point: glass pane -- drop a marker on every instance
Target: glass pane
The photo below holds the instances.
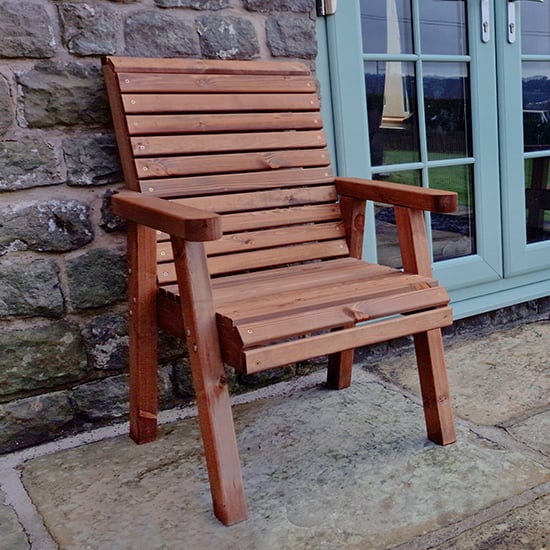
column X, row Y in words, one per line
column 386, row 26
column 453, row 235
column 537, row 199
column 536, row 105
column 443, row 27
column 391, row 107
column 447, row 110
column 535, row 28
column 386, row 231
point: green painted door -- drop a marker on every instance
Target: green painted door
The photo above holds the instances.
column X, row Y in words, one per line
column 452, row 94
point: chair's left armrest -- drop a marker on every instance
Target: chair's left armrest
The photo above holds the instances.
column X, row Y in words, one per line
column 398, row 194
column 178, row 220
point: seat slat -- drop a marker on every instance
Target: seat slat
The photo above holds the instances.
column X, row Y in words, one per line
column 234, row 183
column 215, row 143
column 217, row 103
column 254, row 240
column 320, row 295
column 226, row 122
column 230, row 288
column 263, row 358
column 286, row 326
column 232, row 162
column 213, row 83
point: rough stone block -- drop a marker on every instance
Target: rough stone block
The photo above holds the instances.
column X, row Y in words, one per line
column 26, row 30
column 89, row 29
column 265, row 6
column 30, row 287
column 291, row 35
column 66, row 94
column 106, row 338
column 227, row 37
column 150, row 33
column 97, row 278
column 49, row 226
column 28, row 162
column 43, row 357
column 33, row 420
column 107, row 399
column 7, row 111
column 110, row 222
column 101, row 400
column 92, row 160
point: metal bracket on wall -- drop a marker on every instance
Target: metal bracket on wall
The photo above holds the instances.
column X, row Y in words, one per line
column 326, row 7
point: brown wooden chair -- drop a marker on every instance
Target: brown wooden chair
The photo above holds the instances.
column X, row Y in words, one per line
column 242, row 241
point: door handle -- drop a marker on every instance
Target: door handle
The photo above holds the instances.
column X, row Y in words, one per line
column 485, row 25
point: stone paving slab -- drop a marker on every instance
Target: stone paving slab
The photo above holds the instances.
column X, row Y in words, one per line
column 534, row 431
column 12, row 535
column 493, row 379
column 323, row 470
column 526, row 528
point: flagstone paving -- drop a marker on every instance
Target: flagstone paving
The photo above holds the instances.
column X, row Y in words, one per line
column 328, row 470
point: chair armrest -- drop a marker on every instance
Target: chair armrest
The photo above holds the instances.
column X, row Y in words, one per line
column 398, row 194
column 178, row 220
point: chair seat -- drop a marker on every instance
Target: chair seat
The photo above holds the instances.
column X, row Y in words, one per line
column 273, row 306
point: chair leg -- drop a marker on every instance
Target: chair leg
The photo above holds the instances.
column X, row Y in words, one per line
column 220, row 444
column 339, row 370
column 435, row 387
column 143, row 388
column 142, row 291
column 210, row 383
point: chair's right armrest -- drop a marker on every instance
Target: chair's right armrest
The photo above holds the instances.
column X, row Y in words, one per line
column 178, row 220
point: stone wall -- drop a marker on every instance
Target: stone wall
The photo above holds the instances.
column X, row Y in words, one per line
column 63, row 336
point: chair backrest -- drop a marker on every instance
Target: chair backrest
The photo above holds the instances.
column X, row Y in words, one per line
column 244, row 140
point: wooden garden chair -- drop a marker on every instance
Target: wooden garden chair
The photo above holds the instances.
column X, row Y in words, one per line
column 242, row 241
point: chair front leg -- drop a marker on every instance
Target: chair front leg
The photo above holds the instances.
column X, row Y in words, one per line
column 210, row 383
column 435, row 387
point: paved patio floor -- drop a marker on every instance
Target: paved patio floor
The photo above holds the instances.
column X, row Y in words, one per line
column 348, row 469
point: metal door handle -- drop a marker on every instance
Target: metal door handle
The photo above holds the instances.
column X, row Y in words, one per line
column 485, row 25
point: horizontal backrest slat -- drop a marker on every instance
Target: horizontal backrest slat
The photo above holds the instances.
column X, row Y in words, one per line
column 233, row 183
column 257, row 259
column 199, row 164
column 250, row 141
column 224, row 122
column 189, row 103
column 256, row 240
column 213, row 83
column 259, row 200
column 122, row 64
column 280, row 217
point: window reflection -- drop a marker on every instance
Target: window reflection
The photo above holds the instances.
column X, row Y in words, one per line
column 537, row 199
column 447, row 110
column 453, row 235
column 535, row 28
column 443, row 27
column 536, row 105
column 384, row 18
column 391, row 108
